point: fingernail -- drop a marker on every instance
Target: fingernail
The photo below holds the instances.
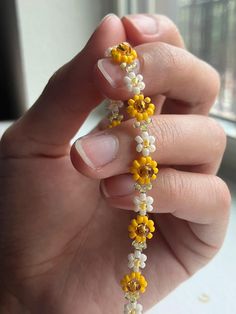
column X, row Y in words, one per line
column 97, row 150
column 112, row 72
column 122, row 186
column 107, row 17
column 143, row 23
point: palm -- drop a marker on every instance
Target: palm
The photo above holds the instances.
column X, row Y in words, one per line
column 78, row 247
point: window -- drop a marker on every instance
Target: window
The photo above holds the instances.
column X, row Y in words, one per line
column 208, row 27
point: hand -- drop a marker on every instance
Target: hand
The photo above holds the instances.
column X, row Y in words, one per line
column 63, row 234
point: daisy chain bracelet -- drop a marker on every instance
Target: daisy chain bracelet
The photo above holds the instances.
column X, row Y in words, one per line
column 144, row 170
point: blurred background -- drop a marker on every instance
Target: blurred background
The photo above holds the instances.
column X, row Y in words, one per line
column 37, row 37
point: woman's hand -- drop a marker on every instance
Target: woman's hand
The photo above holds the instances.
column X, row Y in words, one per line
column 63, row 235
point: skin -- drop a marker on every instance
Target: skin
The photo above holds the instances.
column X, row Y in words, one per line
column 63, row 225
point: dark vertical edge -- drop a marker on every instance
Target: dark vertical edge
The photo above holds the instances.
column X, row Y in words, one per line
column 11, row 72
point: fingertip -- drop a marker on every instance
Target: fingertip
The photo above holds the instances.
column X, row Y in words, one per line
column 144, row 28
column 94, row 154
column 103, row 36
column 80, row 161
column 118, row 191
column 141, row 28
column 118, row 186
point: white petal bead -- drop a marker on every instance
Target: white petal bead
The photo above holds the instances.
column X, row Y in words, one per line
column 132, row 75
column 150, row 200
column 141, row 85
column 152, row 148
column 130, row 87
column 144, row 258
column 152, row 139
column 137, row 254
column 138, row 139
column 127, row 80
column 108, row 52
column 139, row 77
column 126, row 309
column 146, row 152
column 143, row 196
column 136, row 200
column 142, row 265
column 123, row 65
column 130, row 256
column 145, row 135
column 139, row 148
column 139, row 307
column 136, row 90
column 137, row 124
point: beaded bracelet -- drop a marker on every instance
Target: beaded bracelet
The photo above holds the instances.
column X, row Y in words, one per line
column 144, row 170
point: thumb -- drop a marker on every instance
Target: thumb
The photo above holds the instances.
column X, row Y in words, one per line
column 66, row 101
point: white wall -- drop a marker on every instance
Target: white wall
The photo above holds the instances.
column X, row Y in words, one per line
column 52, row 32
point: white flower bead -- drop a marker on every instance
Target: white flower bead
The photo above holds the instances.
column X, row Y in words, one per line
column 143, row 204
column 134, row 82
column 131, row 67
column 108, row 52
column 123, row 65
column 115, row 105
column 136, row 260
column 133, row 308
column 145, row 143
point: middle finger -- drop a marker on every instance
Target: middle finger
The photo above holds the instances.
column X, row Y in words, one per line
column 180, row 140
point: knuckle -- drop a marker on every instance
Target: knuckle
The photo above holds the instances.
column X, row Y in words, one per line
column 166, row 132
column 173, row 60
column 218, row 144
column 6, row 142
column 172, row 32
column 56, row 76
column 221, row 194
column 169, row 56
column 159, row 51
column 168, row 21
column 215, row 80
column 174, row 184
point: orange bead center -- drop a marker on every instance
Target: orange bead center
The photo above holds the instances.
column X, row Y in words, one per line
column 133, row 285
column 142, row 230
column 124, row 49
column 146, row 171
column 140, row 105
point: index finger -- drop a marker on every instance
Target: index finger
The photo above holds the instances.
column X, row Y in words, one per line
column 167, row 70
column 66, row 101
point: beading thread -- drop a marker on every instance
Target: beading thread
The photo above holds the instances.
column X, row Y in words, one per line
column 143, row 169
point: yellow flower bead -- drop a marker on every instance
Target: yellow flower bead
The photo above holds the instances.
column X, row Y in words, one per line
column 123, row 53
column 114, row 123
column 144, row 170
column 140, row 107
column 134, row 282
column 141, row 228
